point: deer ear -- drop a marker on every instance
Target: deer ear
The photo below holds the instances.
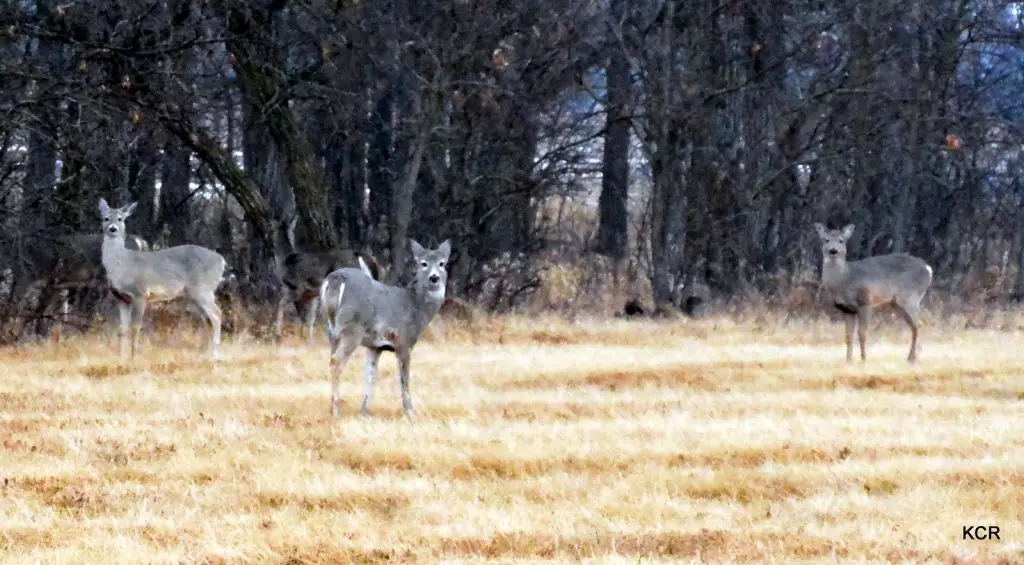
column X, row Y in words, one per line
column 104, row 207
column 445, row 249
column 131, row 208
column 848, row 231
column 417, row 249
column 820, row 228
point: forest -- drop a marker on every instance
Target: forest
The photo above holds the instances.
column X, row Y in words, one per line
column 574, row 152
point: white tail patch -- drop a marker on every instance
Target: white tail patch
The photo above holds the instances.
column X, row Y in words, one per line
column 362, row 265
column 324, row 305
column 328, row 314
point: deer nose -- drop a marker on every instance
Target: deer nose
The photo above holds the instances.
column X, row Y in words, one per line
column 833, row 251
column 434, row 278
column 112, row 229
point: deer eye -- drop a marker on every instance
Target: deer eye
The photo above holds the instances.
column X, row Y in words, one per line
column 423, row 264
column 106, row 218
column 440, row 263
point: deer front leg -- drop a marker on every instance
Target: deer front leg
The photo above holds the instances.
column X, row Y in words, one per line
column 403, row 355
column 851, row 325
column 124, row 310
column 138, row 310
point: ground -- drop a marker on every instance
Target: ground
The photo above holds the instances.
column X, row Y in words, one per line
column 720, row 440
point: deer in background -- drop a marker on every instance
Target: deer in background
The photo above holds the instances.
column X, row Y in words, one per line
column 66, row 265
column 139, row 277
column 856, row 287
column 359, row 310
column 300, row 274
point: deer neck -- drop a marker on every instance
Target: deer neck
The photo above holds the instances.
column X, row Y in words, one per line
column 112, row 255
column 426, row 304
column 834, row 271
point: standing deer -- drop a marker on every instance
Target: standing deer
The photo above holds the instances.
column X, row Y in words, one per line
column 138, row 277
column 300, row 274
column 856, row 287
column 359, row 310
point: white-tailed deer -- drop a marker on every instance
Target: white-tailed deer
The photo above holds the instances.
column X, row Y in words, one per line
column 359, row 310
column 300, row 274
column 856, row 287
column 139, row 277
column 66, row 265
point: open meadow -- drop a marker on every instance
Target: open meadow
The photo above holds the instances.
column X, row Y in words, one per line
column 721, row 440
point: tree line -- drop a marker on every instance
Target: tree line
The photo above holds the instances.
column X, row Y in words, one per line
column 655, row 140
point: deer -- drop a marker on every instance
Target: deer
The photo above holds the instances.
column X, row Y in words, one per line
column 857, row 287
column 140, row 277
column 360, row 310
column 300, row 274
column 68, row 264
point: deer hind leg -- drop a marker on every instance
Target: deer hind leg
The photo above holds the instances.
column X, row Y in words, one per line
column 372, row 359
column 863, row 319
column 911, row 309
column 342, row 347
column 208, row 304
column 124, row 310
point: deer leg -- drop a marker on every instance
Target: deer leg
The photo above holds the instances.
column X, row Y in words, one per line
column 404, row 355
column 863, row 319
column 341, row 350
column 45, row 299
column 851, row 325
column 138, row 310
column 910, row 313
column 372, row 357
column 65, row 307
column 124, row 309
column 208, row 304
column 281, row 302
column 311, row 319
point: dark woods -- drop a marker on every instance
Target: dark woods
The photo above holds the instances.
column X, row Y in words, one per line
column 561, row 146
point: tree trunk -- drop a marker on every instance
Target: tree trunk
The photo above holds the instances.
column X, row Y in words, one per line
column 142, row 185
column 402, row 190
column 612, row 234
column 175, row 177
column 264, row 89
column 377, row 160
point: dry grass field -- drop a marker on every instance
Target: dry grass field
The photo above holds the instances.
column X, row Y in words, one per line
column 723, row 440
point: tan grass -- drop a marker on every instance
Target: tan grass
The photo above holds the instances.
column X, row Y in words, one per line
column 724, row 440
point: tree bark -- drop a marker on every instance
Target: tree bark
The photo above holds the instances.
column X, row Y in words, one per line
column 612, row 233
column 175, row 176
column 264, row 89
